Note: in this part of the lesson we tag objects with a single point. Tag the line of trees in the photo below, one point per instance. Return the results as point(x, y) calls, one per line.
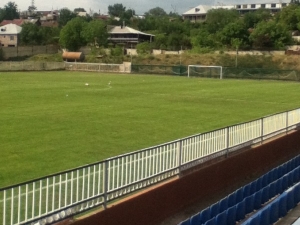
point(222, 29)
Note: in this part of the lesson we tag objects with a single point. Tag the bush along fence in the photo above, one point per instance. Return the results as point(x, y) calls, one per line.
point(55, 197)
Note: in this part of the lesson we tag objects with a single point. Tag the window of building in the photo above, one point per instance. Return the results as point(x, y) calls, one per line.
point(12, 38)
point(238, 6)
point(283, 4)
point(197, 9)
point(244, 6)
point(273, 5)
point(253, 6)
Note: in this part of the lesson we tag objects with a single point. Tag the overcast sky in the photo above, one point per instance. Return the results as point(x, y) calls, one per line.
point(140, 6)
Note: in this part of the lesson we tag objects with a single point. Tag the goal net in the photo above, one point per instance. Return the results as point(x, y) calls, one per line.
point(205, 71)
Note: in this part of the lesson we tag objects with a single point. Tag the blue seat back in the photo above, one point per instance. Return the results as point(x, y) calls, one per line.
point(231, 215)
point(223, 204)
point(214, 210)
point(249, 204)
point(240, 211)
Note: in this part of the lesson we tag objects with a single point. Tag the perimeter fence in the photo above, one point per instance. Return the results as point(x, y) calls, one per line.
point(55, 197)
point(31, 66)
point(228, 72)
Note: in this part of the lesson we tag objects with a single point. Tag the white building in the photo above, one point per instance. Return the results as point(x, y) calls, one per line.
point(198, 13)
point(9, 35)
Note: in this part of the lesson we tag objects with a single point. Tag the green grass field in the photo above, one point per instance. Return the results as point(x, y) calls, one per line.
point(52, 121)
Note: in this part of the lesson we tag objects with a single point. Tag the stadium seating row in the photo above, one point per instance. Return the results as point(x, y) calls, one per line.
point(278, 208)
point(250, 197)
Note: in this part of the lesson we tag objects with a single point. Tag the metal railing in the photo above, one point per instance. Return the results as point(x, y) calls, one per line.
point(50, 199)
point(98, 67)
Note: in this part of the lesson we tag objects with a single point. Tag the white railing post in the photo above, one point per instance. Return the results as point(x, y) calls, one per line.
point(287, 122)
point(227, 142)
point(105, 184)
point(179, 156)
point(262, 131)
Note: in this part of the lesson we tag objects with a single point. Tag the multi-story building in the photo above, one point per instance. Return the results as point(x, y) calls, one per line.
point(198, 13)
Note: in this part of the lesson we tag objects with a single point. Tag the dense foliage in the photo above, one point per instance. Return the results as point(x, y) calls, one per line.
point(222, 29)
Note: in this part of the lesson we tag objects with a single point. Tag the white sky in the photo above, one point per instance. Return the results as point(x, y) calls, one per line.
point(140, 6)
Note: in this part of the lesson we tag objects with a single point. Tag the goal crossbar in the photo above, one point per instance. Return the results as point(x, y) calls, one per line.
point(202, 66)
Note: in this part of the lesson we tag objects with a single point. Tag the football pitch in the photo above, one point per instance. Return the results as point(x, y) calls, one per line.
point(54, 121)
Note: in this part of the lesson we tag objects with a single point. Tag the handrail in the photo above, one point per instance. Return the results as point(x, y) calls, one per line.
point(54, 197)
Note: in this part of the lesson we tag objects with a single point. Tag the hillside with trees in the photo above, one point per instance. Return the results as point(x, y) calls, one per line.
point(222, 30)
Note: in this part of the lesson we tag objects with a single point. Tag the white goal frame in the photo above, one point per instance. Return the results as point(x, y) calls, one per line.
point(220, 67)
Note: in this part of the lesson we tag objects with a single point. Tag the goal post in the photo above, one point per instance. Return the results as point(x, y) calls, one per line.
point(205, 71)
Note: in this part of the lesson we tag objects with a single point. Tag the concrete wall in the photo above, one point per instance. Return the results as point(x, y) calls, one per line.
point(220, 178)
point(253, 52)
point(28, 51)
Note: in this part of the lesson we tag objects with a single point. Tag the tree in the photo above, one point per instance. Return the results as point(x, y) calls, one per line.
point(252, 18)
point(71, 34)
point(32, 34)
point(235, 30)
point(9, 12)
point(116, 10)
point(217, 19)
point(295, 2)
point(95, 32)
point(269, 34)
point(65, 16)
point(290, 16)
point(156, 12)
point(77, 10)
point(143, 48)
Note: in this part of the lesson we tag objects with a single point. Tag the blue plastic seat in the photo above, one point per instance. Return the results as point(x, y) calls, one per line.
point(290, 204)
point(272, 189)
point(255, 220)
point(223, 204)
point(280, 171)
point(279, 188)
point(212, 221)
point(232, 199)
point(257, 199)
point(205, 215)
point(214, 210)
point(265, 195)
point(221, 218)
point(265, 216)
point(297, 175)
point(258, 184)
point(289, 166)
point(253, 187)
point(284, 182)
point(249, 204)
point(239, 195)
point(274, 211)
point(195, 219)
point(282, 200)
point(297, 194)
point(231, 215)
point(240, 211)
point(246, 190)
point(284, 169)
point(264, 181)
point(290, 178)
point(275, 174)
